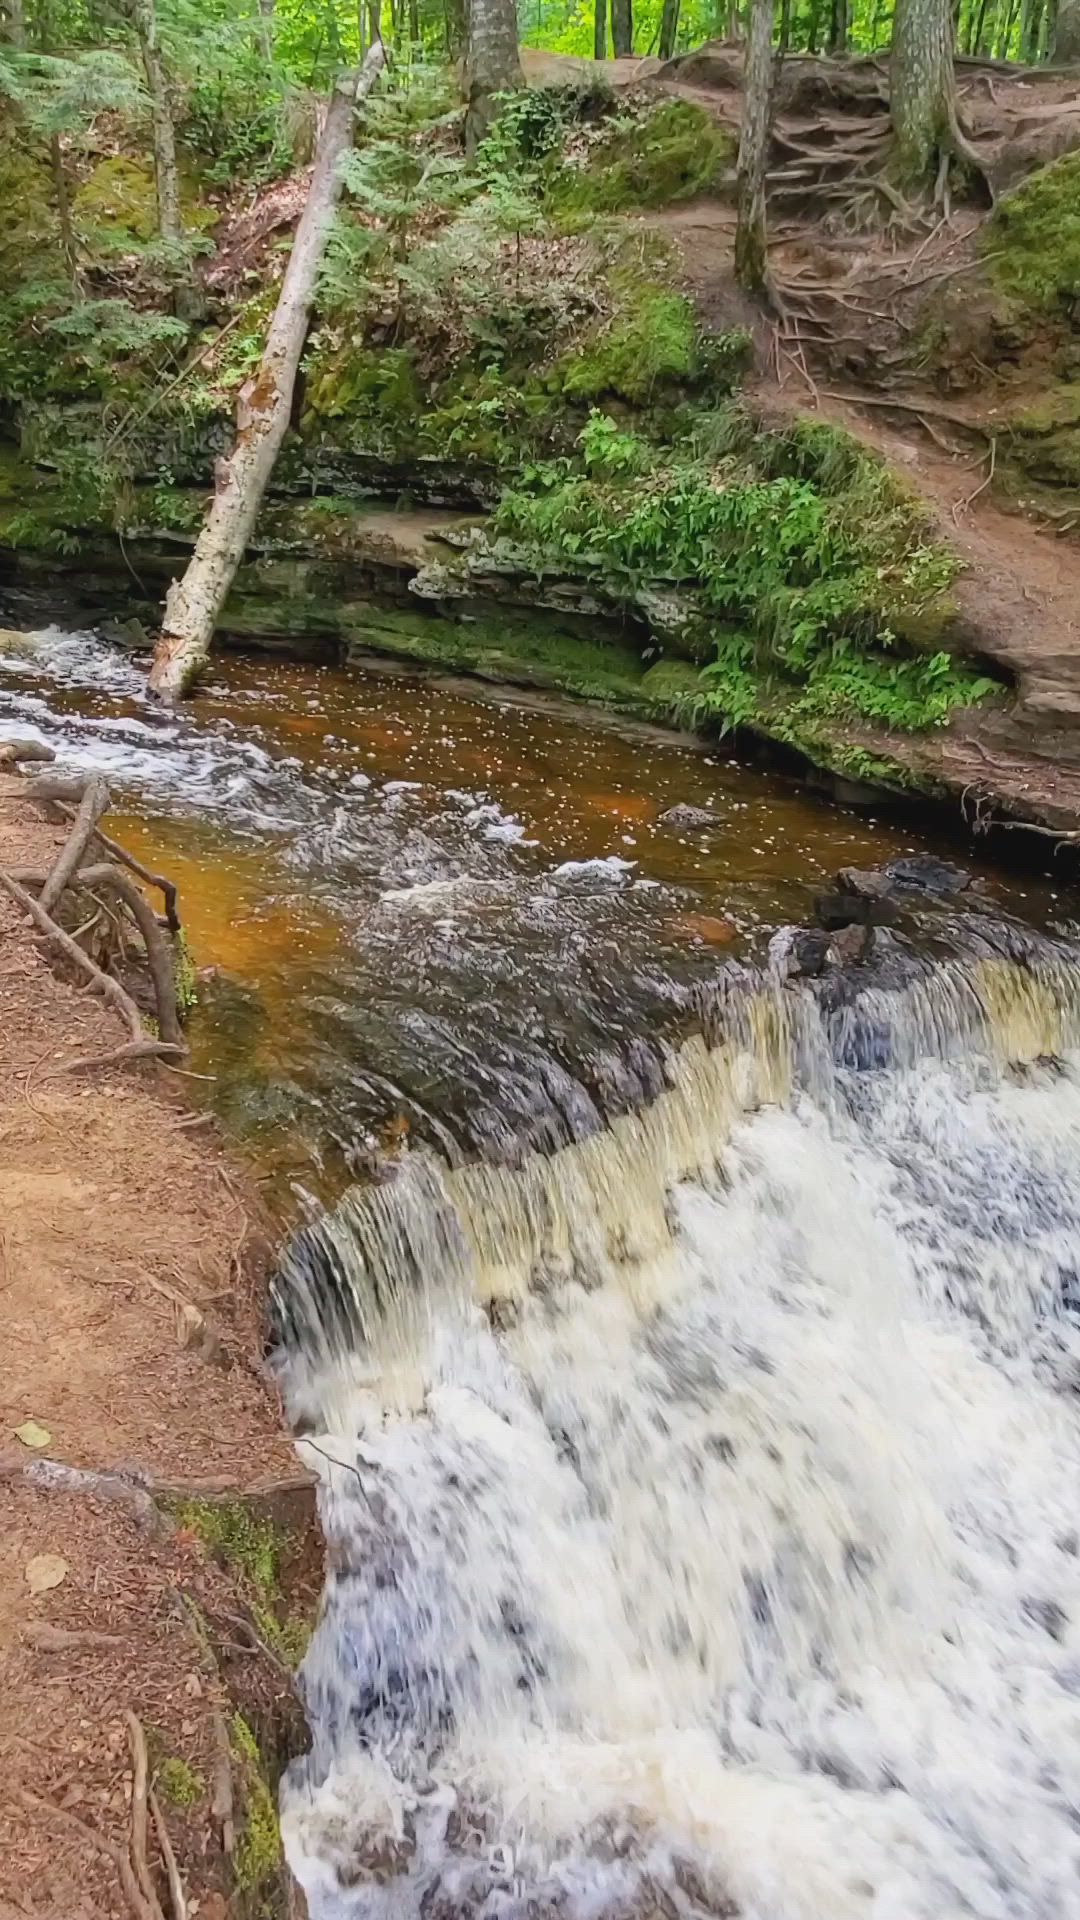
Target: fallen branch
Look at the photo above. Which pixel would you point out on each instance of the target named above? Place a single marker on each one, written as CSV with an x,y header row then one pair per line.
x,y
172,1871
36,1803
139,1784
94,803
50,1639
12,752
102,983
221,1804
117,852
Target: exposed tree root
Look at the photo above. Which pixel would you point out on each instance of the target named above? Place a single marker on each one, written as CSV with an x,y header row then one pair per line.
x,y
56,1477
68,873
91,807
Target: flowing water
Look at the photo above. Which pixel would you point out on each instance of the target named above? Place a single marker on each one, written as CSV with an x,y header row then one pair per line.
x,y
700,1463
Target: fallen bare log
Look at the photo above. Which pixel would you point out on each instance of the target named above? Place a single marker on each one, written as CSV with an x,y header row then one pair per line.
x,y
14,752
193,604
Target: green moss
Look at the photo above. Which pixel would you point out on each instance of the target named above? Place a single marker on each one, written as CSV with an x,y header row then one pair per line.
x,y
180,1784
257,1855
29,233
652,342
230,1529
376,389
117,204
673,153
1035,234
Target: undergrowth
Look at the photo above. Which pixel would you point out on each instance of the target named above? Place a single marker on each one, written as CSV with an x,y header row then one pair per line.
x,y
800,550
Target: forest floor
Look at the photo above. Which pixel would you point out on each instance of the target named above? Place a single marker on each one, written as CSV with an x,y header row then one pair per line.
x,y
117,1216
849,295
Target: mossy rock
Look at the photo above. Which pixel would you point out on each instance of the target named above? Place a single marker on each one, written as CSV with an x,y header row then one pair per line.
x,y
673,153
117,204
29,232
1044,442
653,342
1035,232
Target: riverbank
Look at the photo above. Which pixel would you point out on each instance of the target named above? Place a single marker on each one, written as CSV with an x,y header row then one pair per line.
x,y
165,1578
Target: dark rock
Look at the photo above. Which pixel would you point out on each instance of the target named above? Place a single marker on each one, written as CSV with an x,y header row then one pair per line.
x,y
851,945
799,953
835,910
693,818
929,874
868,883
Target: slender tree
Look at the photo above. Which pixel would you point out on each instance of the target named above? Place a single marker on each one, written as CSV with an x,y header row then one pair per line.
x,y
1067,33
493,63
750,257
600,30
193,605
669,27
163,133
622,27
12,23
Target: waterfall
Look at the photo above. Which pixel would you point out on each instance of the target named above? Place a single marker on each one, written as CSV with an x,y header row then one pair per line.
x,y
702,1501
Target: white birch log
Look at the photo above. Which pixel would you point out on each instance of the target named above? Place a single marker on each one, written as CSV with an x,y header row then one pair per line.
x,y
193,605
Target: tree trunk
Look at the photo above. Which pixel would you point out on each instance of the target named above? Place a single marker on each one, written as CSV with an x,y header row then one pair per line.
x,y
493,64
622,27
265,30
600,31
454,21
754,149
922,89
669,27
166,177
193,604
63,208
1067,33
12,23
838,26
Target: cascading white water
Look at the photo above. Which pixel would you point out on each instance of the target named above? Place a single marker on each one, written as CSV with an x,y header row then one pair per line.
x,y
706,1537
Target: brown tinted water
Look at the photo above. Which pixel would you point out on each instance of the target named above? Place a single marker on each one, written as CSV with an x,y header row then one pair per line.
x,y
432,907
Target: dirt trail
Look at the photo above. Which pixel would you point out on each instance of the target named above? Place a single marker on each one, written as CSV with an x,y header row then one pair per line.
x,y
113,1212
847,299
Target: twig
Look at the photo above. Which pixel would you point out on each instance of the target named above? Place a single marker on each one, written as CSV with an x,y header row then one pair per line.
x,y
140,1771
94,803
145,1049
36,1803
158,957
221,1805
172,1871
962,506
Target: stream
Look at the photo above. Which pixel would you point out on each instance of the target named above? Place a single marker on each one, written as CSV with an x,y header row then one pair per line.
x,y
695,1388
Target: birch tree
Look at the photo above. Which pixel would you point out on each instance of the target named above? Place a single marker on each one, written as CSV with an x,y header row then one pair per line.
x,y
492,61
193,605
759,73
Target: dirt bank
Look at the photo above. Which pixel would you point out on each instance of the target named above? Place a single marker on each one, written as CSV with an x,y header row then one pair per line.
x,y
117,1218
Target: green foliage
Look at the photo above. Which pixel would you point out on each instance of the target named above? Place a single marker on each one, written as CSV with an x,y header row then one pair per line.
x,y
805,586
652,342
672,152
117,203
258,1844
177,1782
1035,234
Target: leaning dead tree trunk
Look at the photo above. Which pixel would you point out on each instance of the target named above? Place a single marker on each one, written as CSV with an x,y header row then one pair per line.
x,y
493,63
166,174
193,605
750,255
